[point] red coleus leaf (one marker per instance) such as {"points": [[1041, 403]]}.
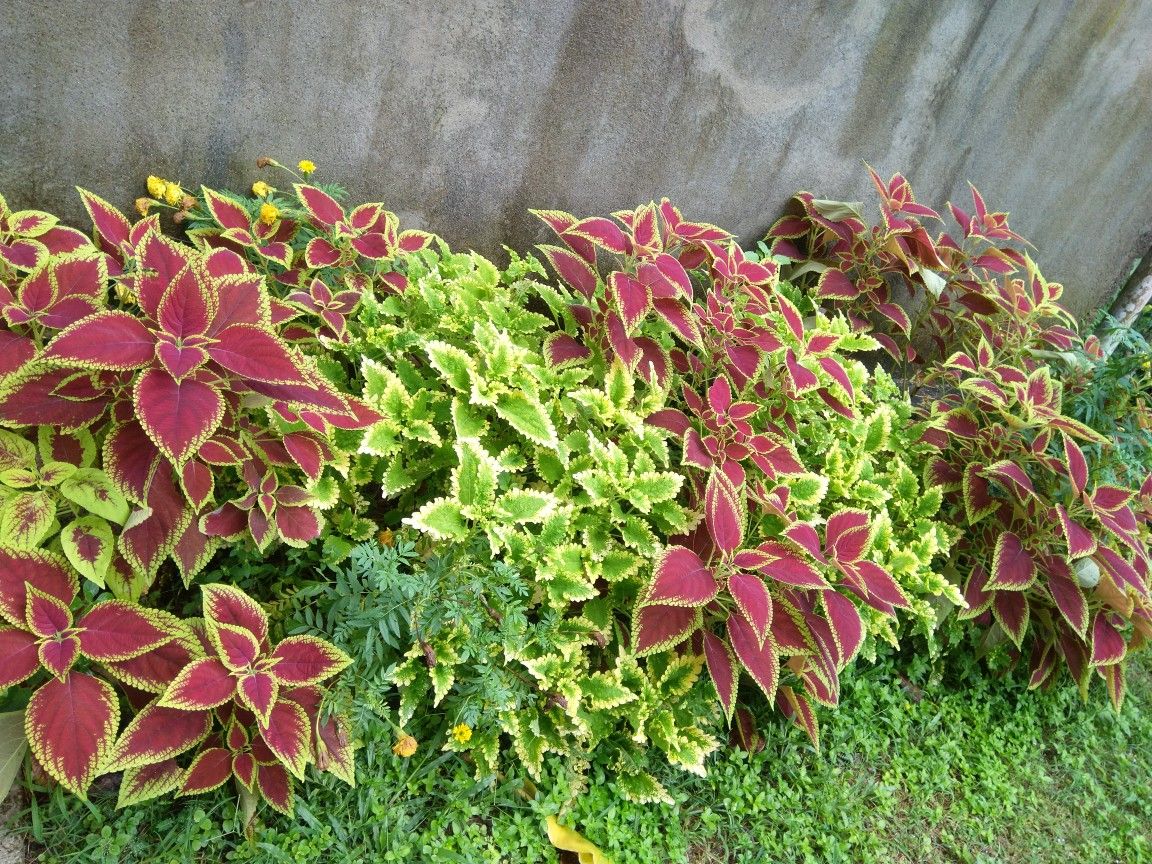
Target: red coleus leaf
{"points": [[846, 535], [145, 544], [258, 692], [321, 206], [572, 269], [201, 685], [104, 340], [682, 579], [21, 660], [657, 628], [1067, 595], [255, 355], [333, 750], [149, 781], [753, 601], [1012, 610], [562, 349], [778, 561], [758, 658], [44, 571], [154, 670], [1077, 464], [847, 628], [297, 526], [1080, 540], [1013, 569], [805, 536], [109, 222], [117, 630], [45, 615], [798, 709], [880, 586], [236, 648], [722, 670], [70, 725], [276, 787], [157, 734], [244, 769], [603, 232], [303, 660], [225, 604], [178, 416], [1107, 644], [724, 512], [58, 655], [210, 769], [288, 735], [835, 285]]}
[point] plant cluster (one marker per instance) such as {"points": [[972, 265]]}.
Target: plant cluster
{"points": [[1054, 555], [591, 516]]}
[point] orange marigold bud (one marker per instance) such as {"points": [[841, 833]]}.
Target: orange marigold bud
{"points": [[187, 202], [143, 205], [405, 747], [386, 537], [264, 162]]}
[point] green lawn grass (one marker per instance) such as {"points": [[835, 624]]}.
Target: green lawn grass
{"points": [[954, 765]]}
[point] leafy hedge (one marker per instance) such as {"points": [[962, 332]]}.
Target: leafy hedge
{"points": [[595, 513]]}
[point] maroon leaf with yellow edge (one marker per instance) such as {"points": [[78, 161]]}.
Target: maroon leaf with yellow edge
{"points": [[201, 685], [258, 692], [104, 340], [209, 770], [236, 647], [71, 725], [288, 735], [1012, 610], [178, 416], [19, 650], [148, 781], [58, 654], [45, 615], [722, 669], [797, 708], [276, 788], [303, 660], [44, 571], [1012, 567], [682, 579], [657, 628], [758, 658], [1107, 644], [157, 734], [753, 601], [226, 604], [1067, 595], [118, 630], [724, 513], [847, 628]]}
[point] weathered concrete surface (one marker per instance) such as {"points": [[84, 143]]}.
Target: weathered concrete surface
{"points": [[461, 115]]}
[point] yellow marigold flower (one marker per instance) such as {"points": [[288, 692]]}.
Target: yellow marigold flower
{"points": [[405, 747], [156, 186], [143, 205], [386, 537], [306, 166], [269, 213], [261, 189], [173, 193], [462, 733]]}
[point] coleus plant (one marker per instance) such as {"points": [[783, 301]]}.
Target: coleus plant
{"points": [[1048, 558], [188, 377], [250, 708], [755, 587], [73, 716]]}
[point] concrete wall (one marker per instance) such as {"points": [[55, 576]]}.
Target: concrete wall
{"points": [[461, 115]]}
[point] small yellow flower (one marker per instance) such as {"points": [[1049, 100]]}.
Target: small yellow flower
{"points": [[268, 213], [405, 747], [306, 166], [386, 537], [261, 189], [173, 193], [143, 205], [156, 186], [462, 733]]}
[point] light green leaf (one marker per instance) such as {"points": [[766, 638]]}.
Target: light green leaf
{"points": [[441, 518], [26, 519], [16, 451], [525, 505], [93, 490], [88, 544], [528, 417], [13, 744], [454, 365], [475, 477]]}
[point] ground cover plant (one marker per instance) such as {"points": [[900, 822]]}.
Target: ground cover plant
{"points": [[299, 483]]}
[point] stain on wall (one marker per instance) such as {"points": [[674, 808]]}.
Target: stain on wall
{"points": [[461, 116]]}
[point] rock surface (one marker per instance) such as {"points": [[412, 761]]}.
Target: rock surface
{"points": [[460, 116]]}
